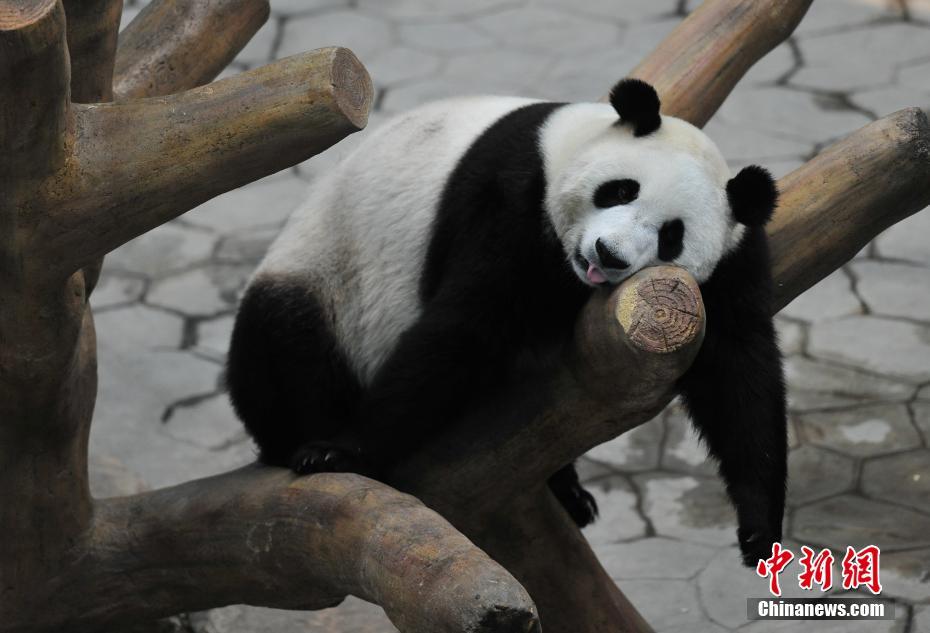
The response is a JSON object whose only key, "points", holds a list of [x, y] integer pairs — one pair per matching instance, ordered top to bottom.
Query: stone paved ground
{"points": [[858, 344]]}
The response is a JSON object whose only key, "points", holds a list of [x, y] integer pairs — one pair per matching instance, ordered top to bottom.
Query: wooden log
{"points": [[92, 29], [175, 45], [701, 61], [34, 96], [139, 164], [834, 204], [630, 346], [260, 535]]}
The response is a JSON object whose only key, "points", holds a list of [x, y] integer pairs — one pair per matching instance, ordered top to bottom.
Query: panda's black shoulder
{"points": [[493, 195], [744, 276]]}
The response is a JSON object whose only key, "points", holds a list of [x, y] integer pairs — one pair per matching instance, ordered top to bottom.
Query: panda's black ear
{"points": [[637, 104], [753, 196]]}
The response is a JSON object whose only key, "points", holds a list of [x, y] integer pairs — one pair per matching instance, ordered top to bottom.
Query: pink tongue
{"points": [[595, 276]]}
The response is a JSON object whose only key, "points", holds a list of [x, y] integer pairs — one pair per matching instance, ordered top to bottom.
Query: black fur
{"points": [[638, 105], [616, 192], [753, 195], [671, 236], [288, 380], [293, 388], [735, 393]]}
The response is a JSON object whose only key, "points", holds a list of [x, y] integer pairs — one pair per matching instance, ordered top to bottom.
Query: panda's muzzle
{"points": [[607, 257]]}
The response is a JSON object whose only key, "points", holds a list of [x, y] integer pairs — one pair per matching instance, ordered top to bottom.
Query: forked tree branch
{"points": [[175, 45], [141, 163], [263, 536]]}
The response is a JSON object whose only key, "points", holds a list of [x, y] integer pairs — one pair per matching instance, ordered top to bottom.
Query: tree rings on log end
{"points": [[19, 14], [352, 87], [661, 311]]}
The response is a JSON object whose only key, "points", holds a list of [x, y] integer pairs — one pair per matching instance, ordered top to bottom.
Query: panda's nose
{"points": [[608, 258]]}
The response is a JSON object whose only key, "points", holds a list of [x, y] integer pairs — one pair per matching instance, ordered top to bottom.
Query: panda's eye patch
{"points": [[614, 192], [670, 240]]}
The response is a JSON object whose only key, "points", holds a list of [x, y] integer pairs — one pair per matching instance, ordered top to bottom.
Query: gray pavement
{"points": [[857, 345]]}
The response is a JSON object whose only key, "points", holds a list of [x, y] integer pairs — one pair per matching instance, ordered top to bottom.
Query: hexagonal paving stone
{"points": [[298, 7], [417, 10], [628, 11], [835, 15], [536, 28], [365, 34], [445, 37], [260, 49], [868, 58], [401, 64], [776, 64], [510, 72], [589, 75], [913, 76], [887, 99], [788, 113], [740, 144], [265, 202], [907, 239], [247, 246], [170, 247], [114, 289], [894, 289], [192, 293], [830, 298], [790, 336], [213, 337], [879, 345], [805, 374], [921, 412], [209, 423], [862, 431], [634, 451], [684, 452], [814, 473], [904, 478], [689, 508], [619, 519], [851, 520], [654, 558], [906, 574], [725, 584], [652, 600], [352, 615], [921, 622]]}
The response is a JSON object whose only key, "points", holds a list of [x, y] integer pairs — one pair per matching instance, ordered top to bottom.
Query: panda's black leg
{"points": [[288, 380], [735, 394], [578, 502]]}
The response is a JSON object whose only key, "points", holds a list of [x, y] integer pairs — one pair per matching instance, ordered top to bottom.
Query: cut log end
{"points": [[20, 14], [352, 88], [661, 312]]}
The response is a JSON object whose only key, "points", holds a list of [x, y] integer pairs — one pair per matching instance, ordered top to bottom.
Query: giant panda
{"points": [[400, 294]]}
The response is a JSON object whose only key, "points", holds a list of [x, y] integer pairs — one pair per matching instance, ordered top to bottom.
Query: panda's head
{"points": [[644, 189]]}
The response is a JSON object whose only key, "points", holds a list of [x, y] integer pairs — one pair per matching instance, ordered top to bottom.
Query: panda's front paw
{"points": [[329, 457], [755, 543]]}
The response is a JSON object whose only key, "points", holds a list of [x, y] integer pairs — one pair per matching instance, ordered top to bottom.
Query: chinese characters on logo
{"points": [[859, 568]]}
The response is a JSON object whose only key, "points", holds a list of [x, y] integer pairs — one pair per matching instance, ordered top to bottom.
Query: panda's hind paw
{"points": [[327, 457], [755, 544]]}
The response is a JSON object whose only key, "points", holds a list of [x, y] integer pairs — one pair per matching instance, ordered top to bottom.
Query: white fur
{"points": [[681, 175], [360, 239]]}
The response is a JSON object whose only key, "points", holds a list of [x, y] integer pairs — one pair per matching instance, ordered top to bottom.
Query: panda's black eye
{"points": [[614, 192], [670, 240]]}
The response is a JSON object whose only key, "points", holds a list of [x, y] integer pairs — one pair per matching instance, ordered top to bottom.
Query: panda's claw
{"points": [[326, 457]]}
